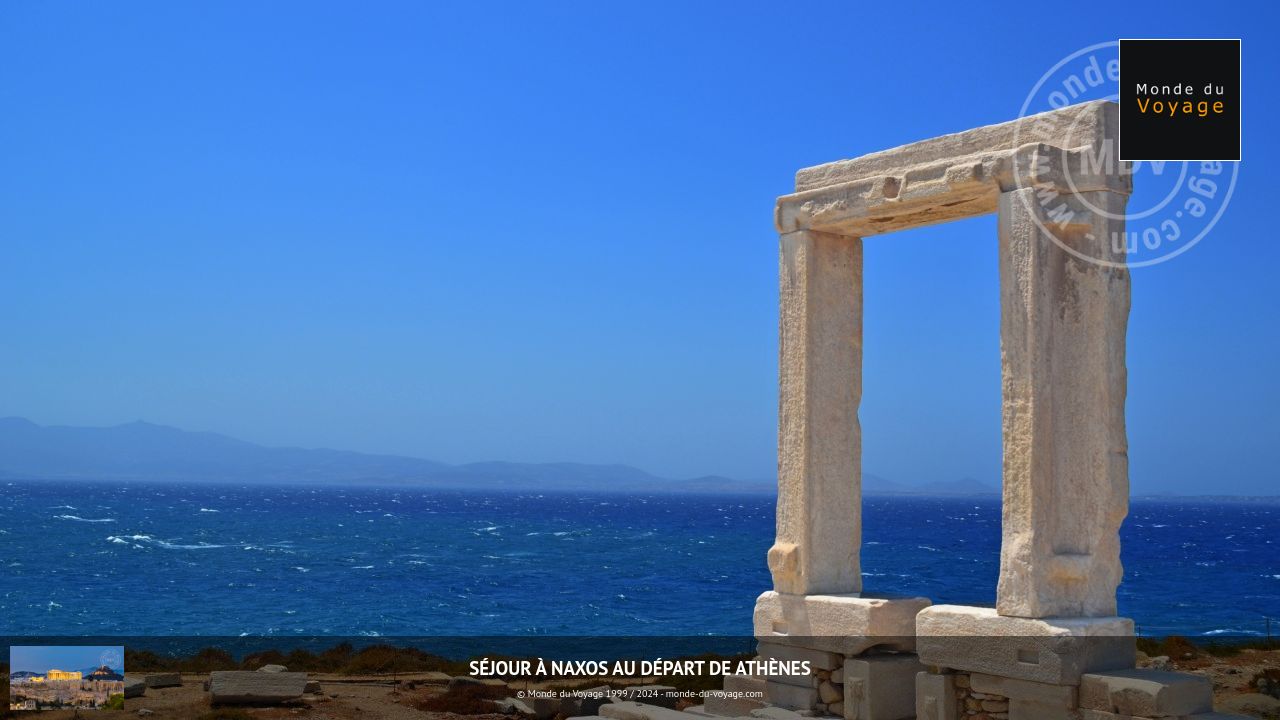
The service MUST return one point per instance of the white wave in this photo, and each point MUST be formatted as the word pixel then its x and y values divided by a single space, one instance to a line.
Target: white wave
pixel 301 569
pixel 80 519
pixel 208 510
pixel 161 543
pixel 362 567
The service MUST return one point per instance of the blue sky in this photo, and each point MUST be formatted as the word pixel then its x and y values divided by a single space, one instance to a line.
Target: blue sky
pixel 543 231
pixel 41 659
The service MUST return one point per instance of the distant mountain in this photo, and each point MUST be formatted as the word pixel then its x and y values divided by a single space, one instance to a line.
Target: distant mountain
pixel 143 451
pixel 24 674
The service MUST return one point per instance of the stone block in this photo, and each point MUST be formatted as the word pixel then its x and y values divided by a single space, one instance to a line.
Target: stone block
pixel 1146 693
pixel 513 706
pixel 313 687
pixel 239 687
pixel 628 710
pixel 134 687
pixel 817 659
pixel 466 681
pixel 744 684
pixel 881 687
pixel 1060 695
pixel 728 706
pixel 660 695
pixel 791 697
pixel 592 698
pixel 1036 710
pixel 1062 339
pixel 936 697
pixel 273 668
pixel 164 680
pixel 839 624
pixel 819 510
pixel 776 713
pixel 1056 651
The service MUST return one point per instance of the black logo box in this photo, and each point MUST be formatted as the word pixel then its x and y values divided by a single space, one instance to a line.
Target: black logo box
pixel 1187 68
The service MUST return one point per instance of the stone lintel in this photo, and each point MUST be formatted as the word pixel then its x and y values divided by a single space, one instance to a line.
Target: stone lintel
pixel 1057 651
pixel 1086 124
pixel 844 624
pixel 949 189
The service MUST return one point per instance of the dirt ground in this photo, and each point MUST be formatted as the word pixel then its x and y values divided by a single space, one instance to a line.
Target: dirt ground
pixel 344 698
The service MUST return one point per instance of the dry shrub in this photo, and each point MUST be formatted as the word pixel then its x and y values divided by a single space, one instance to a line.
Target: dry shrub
pixel 464 700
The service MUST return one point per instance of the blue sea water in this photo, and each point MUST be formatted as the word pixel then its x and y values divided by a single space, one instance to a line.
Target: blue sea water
pixel 149 559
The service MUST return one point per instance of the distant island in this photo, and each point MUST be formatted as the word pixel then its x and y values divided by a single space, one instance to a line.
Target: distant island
pixel 142 451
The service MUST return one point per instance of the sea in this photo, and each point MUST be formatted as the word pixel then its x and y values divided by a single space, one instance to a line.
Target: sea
pixel 138 559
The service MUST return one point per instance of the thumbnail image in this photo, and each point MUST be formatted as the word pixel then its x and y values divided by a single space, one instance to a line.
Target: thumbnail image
pixel 52 677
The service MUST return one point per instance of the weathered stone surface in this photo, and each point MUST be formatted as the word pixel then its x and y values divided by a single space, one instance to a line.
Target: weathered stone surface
pixel 592 698
pixel 776 713
pixel 627 710
pixel 905 187
pixel 726 706
pixel 660 695
pixel 238 687
pixel 771 649
pixel 1148 693
pixel 881 687
pixel 313 687
pixel 1072 126
pixel 791 697
pixel 744 683
pixel 545 708
pixel 513 706
pixel 1056 651
pixel 273 668
pixel 936 697
pixel 1035 710
pixel 134 687
pixel 467 680
pixel 841 624
pixel 819 516
pixel 1066 478
pixel 1061 695
pixel 1087 714
pixel 164 680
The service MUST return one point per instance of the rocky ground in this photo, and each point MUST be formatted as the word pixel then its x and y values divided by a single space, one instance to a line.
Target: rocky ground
pixel 1235 677
pixel 1241 686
